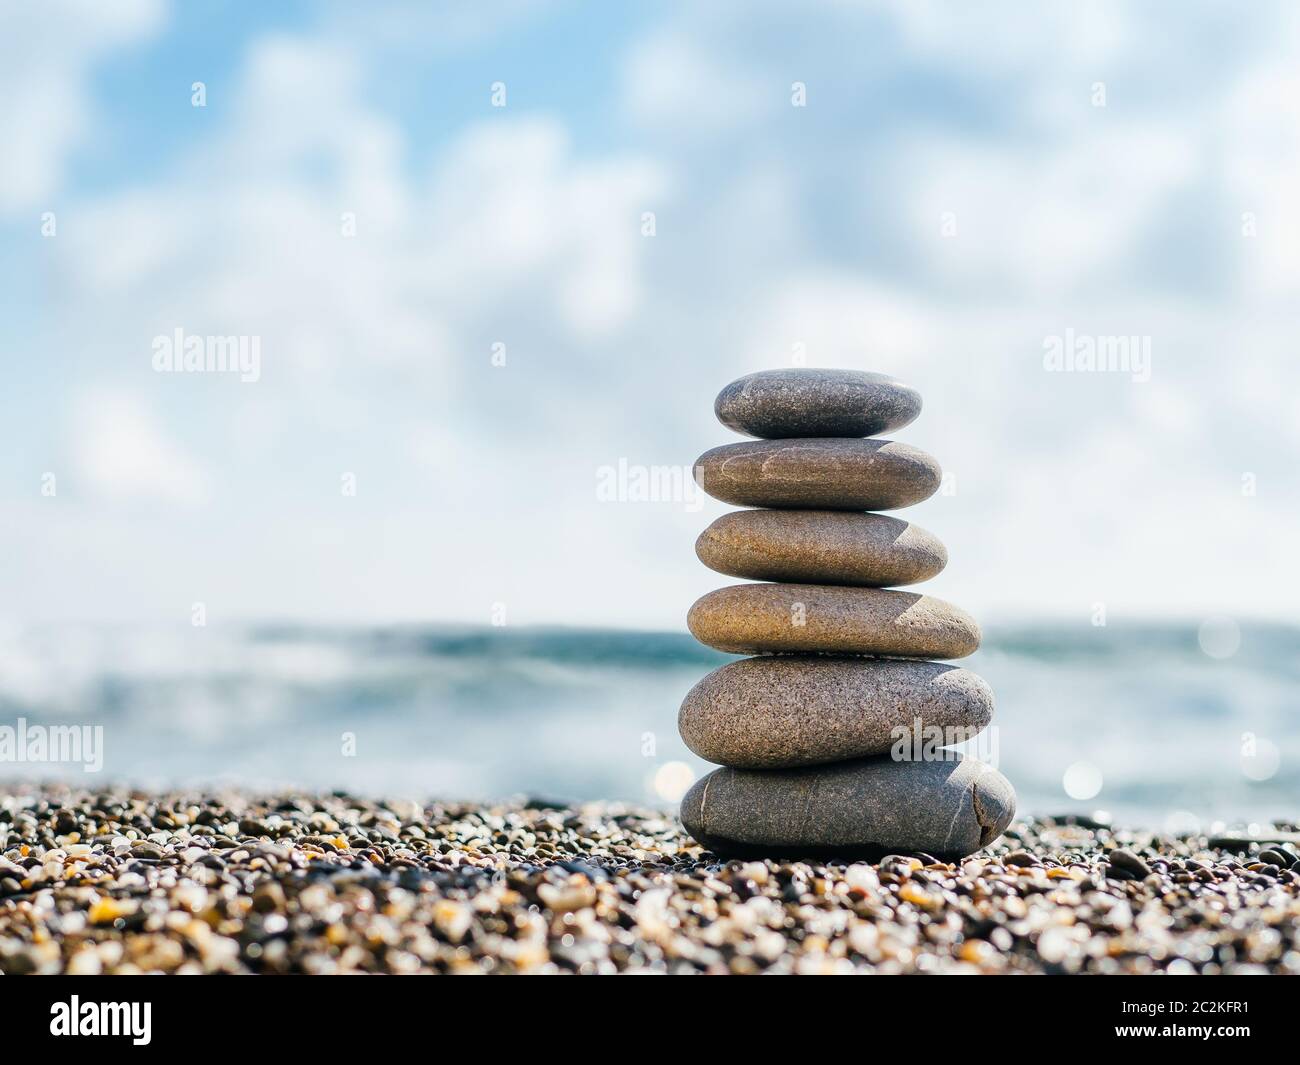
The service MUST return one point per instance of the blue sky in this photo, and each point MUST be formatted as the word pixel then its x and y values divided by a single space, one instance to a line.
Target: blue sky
pixel 965 183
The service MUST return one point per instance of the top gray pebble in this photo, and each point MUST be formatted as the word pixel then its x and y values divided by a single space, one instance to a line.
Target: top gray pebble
pixel 776 404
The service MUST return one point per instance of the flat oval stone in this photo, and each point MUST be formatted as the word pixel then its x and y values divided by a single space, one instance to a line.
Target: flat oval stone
pixel 821 547
pixel 755 619
pixel 819 473
pixel 794 710
pixel 863 809
pixel 775 404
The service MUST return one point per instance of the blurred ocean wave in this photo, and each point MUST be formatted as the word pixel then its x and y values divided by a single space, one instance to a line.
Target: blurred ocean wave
pixel 1171 734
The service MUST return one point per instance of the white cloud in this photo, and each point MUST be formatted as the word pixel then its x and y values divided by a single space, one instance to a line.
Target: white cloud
pixel 47 54
pixel 221 247
pixel 123 453
pixel 511 205
pixel 775 228
pixel 1260 124
pixel 827 318
pixel 437 29
pixel 1030 47
pixel 375 348
pixel 1048 216
pixel 675 79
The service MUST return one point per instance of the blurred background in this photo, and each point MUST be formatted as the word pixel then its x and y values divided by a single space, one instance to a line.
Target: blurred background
pixel 496 261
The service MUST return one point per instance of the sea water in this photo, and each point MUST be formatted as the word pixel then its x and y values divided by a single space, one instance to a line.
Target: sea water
pixel 1133 719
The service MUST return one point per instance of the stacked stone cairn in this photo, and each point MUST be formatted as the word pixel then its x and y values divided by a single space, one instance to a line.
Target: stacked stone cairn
pixel 826 735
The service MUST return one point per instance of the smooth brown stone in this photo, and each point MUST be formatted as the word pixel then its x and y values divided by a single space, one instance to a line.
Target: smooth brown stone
pixel 821 547
pixel 851 810
pixel 775 404
pixel 836 474
pixel 792 710
pixel 753 619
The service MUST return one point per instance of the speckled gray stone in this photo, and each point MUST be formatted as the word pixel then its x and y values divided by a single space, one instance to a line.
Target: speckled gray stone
pixel 850 810
pixel 795 710
pixel 835 474
pixel 821 547
pixel 775 404
pixel 755 619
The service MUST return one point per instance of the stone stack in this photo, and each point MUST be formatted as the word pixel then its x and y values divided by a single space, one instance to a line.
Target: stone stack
pixel 823 734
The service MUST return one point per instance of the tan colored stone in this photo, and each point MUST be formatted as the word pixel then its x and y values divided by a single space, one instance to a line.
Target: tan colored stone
pixel 850 810
pixel 795 710
pixel 821 547
pixel 836 474
pixel 750 619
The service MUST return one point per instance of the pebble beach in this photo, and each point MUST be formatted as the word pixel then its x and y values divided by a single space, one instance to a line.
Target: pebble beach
pixel 192 882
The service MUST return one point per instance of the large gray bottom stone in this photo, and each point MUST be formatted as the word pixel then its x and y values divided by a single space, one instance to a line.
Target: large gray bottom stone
pixel 851 810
